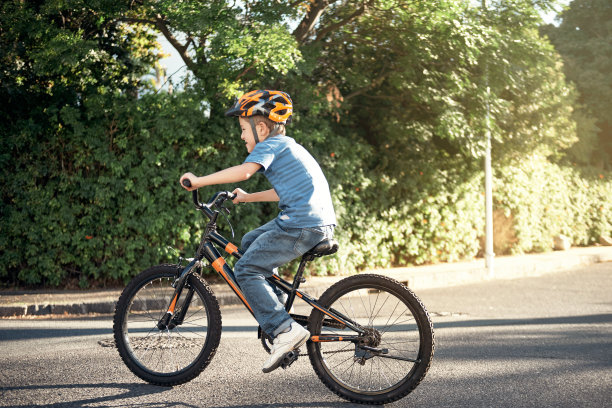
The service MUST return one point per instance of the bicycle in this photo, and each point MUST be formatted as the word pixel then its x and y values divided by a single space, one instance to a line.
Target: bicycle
pixel 372 340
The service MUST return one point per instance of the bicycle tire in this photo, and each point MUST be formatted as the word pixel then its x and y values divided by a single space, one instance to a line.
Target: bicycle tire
pixel 171 356
pixel 381 305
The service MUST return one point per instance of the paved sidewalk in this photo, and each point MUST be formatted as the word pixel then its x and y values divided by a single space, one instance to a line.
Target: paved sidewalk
pixel 41 303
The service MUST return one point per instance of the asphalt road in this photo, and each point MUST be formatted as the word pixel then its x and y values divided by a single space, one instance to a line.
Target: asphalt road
pixel 533 342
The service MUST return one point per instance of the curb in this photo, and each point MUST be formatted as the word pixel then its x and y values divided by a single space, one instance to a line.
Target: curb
pixel 24 304
pixel 505 267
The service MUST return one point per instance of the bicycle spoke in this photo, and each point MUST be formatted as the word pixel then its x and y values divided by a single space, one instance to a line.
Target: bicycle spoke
pixel 383 354
pixel 381 306
pixel 166 351
pixel 178 353
pixel 194 313
pixel 177 330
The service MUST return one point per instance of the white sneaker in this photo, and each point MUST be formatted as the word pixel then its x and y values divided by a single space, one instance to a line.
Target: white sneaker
pixel 284 343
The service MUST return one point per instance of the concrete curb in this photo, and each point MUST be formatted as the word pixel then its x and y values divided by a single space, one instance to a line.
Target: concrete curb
pixel 26 304
pixel 506 267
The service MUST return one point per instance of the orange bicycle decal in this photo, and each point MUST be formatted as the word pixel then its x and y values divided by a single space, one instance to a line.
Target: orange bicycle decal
pixel 218 264
pixel 173 305
pixel 318 339
pixel 231 248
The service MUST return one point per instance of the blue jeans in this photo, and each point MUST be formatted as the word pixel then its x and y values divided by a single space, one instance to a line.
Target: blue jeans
pixel 265 249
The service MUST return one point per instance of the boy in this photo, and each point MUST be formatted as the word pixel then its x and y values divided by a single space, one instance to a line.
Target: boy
pixel 307 215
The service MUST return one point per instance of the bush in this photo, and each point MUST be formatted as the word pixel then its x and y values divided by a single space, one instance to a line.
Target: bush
pixel 547 199
pixel 443 220
pixel 98 200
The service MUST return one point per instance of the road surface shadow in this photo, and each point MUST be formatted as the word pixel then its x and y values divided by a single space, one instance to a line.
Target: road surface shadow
pixel 131 390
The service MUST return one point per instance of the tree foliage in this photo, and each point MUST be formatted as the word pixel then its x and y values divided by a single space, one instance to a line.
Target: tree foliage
pixel 58 59
pixel 584 40
pixel 391 98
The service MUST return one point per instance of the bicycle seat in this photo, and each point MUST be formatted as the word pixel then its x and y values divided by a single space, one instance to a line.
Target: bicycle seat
pixel 326 247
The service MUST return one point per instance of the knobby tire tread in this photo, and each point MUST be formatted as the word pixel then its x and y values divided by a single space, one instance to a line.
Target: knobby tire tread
pixel 214 325
pixel 344 286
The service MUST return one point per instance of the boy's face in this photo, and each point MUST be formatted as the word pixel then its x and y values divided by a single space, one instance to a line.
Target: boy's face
pixel 247 134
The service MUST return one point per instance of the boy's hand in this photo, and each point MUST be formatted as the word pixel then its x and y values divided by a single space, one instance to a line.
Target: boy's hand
pixel 191 177
pixel 241 196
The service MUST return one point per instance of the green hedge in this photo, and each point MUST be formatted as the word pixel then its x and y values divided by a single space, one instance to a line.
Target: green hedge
pixel 546 200
pixel 98 199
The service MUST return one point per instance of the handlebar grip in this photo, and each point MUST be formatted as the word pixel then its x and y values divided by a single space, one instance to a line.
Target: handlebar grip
pixel 187 183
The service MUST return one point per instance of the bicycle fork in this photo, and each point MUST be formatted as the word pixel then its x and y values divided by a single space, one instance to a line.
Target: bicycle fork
pixel 170 320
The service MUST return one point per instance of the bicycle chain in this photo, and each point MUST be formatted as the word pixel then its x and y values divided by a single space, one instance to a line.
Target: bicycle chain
pixel 303 320
pixel 329 352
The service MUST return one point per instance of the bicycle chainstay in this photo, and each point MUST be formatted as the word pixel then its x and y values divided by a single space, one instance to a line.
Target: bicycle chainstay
pixel 303 320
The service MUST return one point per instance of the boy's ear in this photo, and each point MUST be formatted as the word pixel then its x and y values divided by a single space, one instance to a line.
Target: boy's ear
pixel 262 129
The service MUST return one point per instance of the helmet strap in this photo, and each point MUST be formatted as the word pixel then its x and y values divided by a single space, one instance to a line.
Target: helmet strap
pixel 254 128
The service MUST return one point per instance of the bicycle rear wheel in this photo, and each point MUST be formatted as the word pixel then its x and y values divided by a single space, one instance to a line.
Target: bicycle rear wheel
pixel 390 358
pixel 174 355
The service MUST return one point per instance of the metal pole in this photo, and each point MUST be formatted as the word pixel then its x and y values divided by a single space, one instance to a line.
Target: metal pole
pixel 489 254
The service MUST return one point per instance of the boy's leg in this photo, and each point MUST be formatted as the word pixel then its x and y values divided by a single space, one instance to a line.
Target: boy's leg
pixel 249 238
pixel 271 249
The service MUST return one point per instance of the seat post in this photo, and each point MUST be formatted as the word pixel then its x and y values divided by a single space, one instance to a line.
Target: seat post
pixel 297 280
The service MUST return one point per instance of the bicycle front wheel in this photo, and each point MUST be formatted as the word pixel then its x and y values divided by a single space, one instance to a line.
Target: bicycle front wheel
pixel 392 354
pixel 180 351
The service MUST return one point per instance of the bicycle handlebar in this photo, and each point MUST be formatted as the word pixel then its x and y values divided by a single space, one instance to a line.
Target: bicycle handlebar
pixel 216 200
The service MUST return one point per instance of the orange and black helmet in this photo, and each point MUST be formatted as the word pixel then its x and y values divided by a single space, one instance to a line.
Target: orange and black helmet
pixel 274 105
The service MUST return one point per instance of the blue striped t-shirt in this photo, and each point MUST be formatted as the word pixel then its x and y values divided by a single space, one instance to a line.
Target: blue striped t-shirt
pixel 296 177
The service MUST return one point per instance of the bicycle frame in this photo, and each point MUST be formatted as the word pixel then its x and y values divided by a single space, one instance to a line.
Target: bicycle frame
pixel 207 251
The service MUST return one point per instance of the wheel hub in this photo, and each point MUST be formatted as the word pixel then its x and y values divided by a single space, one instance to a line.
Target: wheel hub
pixel 371 338
pixel 367 346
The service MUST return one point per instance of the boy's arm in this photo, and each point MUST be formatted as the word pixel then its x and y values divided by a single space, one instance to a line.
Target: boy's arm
pixel 230 175
pixel 244 197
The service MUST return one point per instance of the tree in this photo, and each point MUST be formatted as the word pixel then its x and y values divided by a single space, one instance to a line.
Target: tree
pixel 413 83
pixel 390 98
pixel 584 40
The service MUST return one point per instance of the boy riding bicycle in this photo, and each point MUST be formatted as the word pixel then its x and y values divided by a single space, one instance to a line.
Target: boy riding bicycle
pixel 307 215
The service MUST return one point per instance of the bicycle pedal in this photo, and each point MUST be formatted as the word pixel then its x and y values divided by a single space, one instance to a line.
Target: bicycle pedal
pixel 289 358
